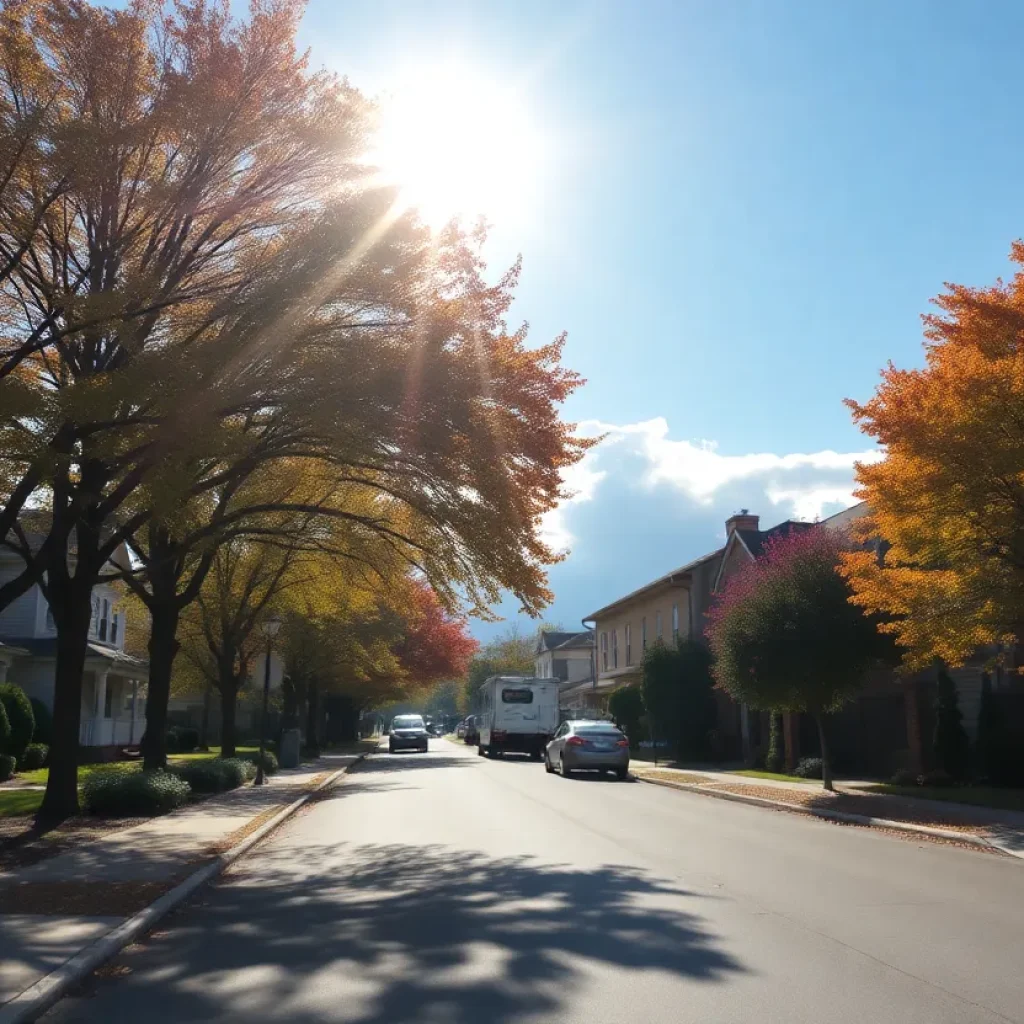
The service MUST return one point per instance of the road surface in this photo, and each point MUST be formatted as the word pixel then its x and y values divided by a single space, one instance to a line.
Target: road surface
pixel 451 889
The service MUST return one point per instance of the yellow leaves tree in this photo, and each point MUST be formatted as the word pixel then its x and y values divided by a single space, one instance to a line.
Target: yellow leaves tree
pixel 948 499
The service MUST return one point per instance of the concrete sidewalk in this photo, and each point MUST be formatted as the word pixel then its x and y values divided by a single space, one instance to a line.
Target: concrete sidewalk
pixel 52 910
pixel 1004 829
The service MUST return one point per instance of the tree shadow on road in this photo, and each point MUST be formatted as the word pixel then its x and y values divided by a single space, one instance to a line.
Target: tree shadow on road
pixel 404 933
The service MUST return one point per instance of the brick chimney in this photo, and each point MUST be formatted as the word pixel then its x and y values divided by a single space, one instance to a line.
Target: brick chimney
pixel 742 520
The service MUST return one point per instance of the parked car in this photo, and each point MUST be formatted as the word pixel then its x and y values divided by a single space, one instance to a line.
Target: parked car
pixel 593 745
pixel 460 730
pixel 472 734
pixel 408 733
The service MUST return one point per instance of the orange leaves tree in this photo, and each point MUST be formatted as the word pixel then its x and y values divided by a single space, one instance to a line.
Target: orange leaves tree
pixel 948 499
pixel 201 286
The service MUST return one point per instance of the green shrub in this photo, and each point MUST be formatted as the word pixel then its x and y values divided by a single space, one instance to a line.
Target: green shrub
pixel 34 757
pixel 270 764
pixel 188 739
pixel 247 767
pixel 127 791
pixel 937 777
pixel 7 766
pixel 626 706
pixel 19 714
pixel 774 760
pixel 172 741
pixel 5 729
pixel 951 746
pixel 44 722
pixel 904 777
pixel 210 775
pixel 808 768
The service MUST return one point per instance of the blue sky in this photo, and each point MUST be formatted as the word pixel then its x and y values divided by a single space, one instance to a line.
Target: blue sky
pixel 743 208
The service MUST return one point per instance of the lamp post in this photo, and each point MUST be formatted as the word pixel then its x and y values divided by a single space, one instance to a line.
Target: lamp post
pixel 269 628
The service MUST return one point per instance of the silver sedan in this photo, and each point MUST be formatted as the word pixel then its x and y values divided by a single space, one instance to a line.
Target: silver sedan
pixel 597 746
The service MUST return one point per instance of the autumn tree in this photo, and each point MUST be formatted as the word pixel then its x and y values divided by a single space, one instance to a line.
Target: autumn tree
pixel 785 635
pixel 198 277
pixel 510 653
pixel 948 499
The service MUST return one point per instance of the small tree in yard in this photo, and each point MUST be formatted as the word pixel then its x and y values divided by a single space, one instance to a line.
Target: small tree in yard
pixel 676 688
pixel 785 635
pixel 951 745
pixel 626 706
pixel 774 760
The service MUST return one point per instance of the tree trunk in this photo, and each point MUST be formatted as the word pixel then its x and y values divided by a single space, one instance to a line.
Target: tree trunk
pixel 61 798
pixel 313 717
pixel 163 646
pixel 228 706
pixel 204 727
pixel 826 765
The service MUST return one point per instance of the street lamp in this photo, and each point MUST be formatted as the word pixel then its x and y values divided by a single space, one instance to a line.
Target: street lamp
pixel 269 629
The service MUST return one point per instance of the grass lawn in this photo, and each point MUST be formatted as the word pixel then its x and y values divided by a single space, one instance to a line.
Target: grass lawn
pixel 199 755
pixel 15 802
pixel 752 773
pixel 977 796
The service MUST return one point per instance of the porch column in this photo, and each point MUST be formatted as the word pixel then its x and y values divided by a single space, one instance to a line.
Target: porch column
pixel 101 700
pixel 135 704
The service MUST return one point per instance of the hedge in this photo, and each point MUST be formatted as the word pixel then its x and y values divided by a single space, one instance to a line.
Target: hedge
pixel 211 775
pixel 34 757
pixel 131 792
pixel 22 720
pixel 7 766
pixel 270 764
pixel 44 722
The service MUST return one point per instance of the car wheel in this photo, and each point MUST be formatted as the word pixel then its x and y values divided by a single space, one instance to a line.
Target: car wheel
pixel 622 774
pixel 564 771
pixel 480 750
pixel 547 764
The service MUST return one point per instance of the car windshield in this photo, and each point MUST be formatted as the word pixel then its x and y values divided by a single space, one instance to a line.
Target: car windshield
pixel 408 722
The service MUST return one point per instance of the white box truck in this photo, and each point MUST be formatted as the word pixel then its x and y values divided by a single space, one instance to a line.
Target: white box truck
pixel 516 713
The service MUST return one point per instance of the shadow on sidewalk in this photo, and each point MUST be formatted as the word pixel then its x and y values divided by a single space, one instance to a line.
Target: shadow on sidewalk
pixel 382 933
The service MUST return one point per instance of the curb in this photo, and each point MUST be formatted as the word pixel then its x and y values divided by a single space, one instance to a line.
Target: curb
pixel 36 999
pixel 843 816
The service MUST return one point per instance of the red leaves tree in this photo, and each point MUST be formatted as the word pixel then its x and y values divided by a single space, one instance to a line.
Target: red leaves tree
pixel 436 645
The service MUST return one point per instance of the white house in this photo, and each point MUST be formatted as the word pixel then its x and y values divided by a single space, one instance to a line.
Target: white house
pixel 114 683
pixel 568 657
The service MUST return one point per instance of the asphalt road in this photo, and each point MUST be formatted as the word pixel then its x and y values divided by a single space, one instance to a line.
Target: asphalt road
pixel 448 888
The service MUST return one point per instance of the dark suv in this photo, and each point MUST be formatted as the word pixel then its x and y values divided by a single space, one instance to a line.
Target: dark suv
pixel 408 733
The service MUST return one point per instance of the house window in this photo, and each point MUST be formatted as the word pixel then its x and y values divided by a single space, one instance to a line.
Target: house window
pixel 615 648
pixel 104 619
pixel 675 623
pixel 604 651
pixel 113 628
pixel 108 701
pixel 643 633
pixel 629 644
pixel 657 625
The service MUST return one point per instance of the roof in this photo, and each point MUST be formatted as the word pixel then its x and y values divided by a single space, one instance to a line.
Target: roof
pixel 754 540
pixel 549 639
pixel 578 641
pixel 46 647
pixel 677 577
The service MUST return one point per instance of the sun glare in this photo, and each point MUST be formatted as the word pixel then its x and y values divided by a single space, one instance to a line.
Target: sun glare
pixel 456 145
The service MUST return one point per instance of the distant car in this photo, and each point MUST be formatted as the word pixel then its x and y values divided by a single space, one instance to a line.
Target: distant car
pixel 408 733
pixel 460 730
pixel 591 745
pixel 472 733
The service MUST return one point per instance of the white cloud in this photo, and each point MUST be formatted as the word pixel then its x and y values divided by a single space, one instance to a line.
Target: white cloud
pixel 642 457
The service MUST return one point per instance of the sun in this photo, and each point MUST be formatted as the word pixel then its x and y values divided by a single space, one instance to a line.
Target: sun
pixel 456 145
